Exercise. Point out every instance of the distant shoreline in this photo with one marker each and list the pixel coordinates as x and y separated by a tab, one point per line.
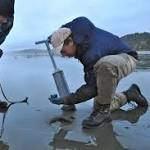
45	53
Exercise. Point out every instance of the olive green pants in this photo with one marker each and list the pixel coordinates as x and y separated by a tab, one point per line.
109	71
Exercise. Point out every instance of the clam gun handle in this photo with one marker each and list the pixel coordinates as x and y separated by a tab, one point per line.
41	42
58	75
46	42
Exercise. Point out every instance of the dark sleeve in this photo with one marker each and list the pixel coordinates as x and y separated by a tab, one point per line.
86	91
7	8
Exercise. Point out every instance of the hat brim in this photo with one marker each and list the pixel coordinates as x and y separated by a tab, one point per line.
58	49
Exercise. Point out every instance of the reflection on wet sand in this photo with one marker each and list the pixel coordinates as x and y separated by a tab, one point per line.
102	137
3	146
5	109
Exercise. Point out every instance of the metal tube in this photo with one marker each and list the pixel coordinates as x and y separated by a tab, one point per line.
58	75
46	42
51	56
61	83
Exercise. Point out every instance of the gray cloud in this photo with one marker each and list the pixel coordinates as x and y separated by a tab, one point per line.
36	19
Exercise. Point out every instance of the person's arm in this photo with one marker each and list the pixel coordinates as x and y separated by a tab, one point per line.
84	93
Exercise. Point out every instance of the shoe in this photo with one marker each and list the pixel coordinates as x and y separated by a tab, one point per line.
134	94
97	118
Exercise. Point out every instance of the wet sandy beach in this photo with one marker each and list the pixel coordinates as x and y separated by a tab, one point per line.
26	127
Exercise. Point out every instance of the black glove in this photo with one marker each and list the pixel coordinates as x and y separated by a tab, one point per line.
55	100
1	53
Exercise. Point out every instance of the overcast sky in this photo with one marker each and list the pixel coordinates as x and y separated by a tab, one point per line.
36	19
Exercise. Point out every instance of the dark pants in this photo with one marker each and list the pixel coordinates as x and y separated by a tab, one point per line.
109	71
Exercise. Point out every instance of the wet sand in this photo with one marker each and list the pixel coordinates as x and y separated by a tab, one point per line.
27	127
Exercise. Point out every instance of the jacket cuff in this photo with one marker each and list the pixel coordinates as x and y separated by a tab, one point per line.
69	100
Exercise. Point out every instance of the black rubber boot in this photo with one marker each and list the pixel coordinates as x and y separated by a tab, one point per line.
134	94
97	117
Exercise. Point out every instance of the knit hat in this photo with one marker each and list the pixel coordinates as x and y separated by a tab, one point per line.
58	37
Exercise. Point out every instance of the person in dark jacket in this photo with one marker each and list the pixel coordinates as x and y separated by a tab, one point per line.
6	19
6	23
106	60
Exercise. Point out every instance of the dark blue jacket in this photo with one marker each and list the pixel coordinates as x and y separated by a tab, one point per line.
99	43
7	10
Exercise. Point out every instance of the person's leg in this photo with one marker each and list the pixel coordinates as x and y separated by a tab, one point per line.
109	71
133	94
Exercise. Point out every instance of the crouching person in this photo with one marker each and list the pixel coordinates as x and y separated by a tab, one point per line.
106	60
